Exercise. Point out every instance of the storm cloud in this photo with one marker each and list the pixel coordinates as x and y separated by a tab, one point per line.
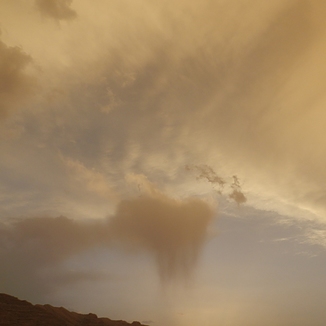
173	231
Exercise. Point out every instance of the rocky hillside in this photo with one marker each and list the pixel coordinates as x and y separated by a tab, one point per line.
19	312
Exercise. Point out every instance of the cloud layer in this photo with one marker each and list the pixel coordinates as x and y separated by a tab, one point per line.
168	85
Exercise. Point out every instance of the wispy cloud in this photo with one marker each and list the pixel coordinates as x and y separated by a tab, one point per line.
206	172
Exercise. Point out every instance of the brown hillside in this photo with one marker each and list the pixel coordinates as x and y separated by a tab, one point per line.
19	312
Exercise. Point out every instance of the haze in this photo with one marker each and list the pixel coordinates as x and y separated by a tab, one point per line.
164	161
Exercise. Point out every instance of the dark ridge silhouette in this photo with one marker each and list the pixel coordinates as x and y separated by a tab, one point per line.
14	311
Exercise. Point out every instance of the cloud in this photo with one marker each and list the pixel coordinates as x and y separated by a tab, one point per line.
206	172
57	9
222	92
15	82
174	231
236	85
236	194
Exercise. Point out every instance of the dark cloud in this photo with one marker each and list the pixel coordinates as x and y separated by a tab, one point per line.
57	9
238	196
236	193
174	231
15	83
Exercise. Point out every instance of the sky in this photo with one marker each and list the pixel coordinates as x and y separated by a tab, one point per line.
164	161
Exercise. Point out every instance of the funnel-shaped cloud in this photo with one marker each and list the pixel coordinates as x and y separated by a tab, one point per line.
174	231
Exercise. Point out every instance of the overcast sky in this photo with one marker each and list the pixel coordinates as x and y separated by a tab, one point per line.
164	161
